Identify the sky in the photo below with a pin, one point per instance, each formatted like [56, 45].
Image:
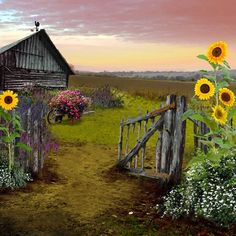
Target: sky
[126, 35]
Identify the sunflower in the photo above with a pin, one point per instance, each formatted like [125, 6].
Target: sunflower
[217, 52]
[8, 100]
[204, 89]
[226, 96]
[219, 114]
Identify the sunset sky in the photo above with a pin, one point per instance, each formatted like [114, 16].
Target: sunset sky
[112, 35]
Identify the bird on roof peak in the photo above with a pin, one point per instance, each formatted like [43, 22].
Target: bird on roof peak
[37, 24]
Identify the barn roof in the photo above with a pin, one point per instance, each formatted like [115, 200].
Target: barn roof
[57, 55]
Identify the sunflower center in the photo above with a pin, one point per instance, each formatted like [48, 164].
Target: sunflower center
[205, 88]
[8, 99]
[225, 97]
[216, 52]
[218, 114]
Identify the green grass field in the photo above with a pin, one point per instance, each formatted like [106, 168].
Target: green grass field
[102, 127]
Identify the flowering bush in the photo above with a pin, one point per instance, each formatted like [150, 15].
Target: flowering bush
[209, 192]
[14, 178]
[70, 102]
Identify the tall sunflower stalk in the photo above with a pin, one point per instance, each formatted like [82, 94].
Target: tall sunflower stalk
[213, 103]
[10, 125]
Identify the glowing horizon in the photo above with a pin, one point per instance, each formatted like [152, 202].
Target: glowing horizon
[121, 35]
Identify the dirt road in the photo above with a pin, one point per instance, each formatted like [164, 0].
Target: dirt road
[78, 194]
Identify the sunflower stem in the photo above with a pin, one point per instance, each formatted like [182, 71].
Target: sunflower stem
[9, 146]
[215, 74]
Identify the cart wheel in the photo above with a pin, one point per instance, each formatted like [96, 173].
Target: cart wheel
[53, 117]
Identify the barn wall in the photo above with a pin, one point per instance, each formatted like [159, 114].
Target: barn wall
[22, 79]
[8, 59]
[34, 53]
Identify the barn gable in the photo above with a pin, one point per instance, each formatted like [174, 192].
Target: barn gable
[33, 60]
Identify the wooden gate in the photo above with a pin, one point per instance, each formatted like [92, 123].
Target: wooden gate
[169, 145]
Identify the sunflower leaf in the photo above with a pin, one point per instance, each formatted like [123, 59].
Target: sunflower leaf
[205, 119]
[226, 64]
[207, 142]
[212, 79]
[6, 116]
[218, 141]
[23, 146]
[221, 84]
[214, 66]
[221, 67]
[203, 71]
[231, 113]
[4, 129]
[187, 114]
[202, 57]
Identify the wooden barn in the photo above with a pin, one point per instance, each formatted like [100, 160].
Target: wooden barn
[33, 61]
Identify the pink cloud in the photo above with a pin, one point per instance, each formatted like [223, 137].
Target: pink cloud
[183, 21]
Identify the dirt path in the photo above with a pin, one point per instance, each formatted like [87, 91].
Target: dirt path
[77, 195]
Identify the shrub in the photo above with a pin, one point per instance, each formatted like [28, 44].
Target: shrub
[105, 97]
[209, 192]
[14, 178]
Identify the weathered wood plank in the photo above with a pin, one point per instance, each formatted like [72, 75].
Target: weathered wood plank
[166, 135]
[120, 140]
[143, 157]
[137, 155]
[179, 140]
[127, 143]
[141, 142]
[35, 146]
[158, 152]
[151, 115]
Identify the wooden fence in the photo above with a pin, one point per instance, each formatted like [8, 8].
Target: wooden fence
[35, 135]
[169, 145]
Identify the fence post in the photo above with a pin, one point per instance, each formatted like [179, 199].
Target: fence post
[35, 163]
[29, 139]
[166, 136]
[178, 141]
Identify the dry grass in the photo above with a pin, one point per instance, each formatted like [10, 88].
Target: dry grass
[139, 87]
[148, 88]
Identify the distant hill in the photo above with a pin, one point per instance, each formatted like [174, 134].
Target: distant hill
[161, 75]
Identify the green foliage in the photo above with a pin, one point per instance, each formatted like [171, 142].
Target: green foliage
[14, 178]
[209, 192]
[221, 134]
[11, 130]
[102, 127]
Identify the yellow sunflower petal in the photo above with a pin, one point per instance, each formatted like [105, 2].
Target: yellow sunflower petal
[217, 52]
[204, 89]
[8, 100]
[227, 97]
[219, 114]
